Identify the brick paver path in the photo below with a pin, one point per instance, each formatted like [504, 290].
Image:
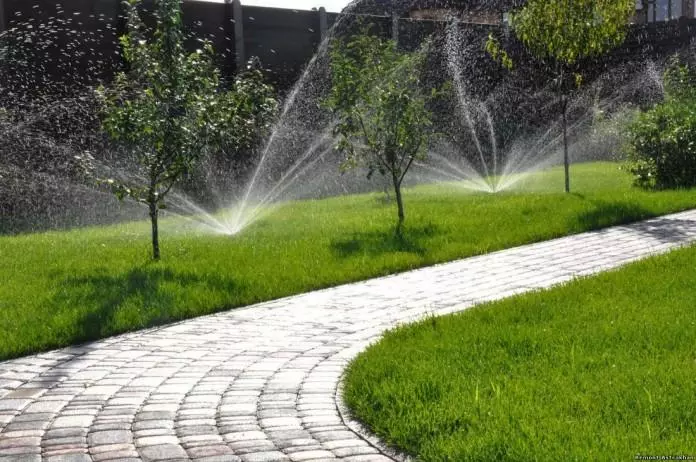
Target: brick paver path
[260, 383]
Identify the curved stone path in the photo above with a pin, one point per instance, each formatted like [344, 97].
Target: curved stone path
[260, 383]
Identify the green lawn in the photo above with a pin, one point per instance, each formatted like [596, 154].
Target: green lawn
[600, 369]
[61, 288]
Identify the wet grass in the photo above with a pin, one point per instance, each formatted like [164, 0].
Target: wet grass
[600, 369]
[62, 288]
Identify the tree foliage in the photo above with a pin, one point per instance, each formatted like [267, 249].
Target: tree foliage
[679, 81]
[382, 118]
[170, 109]
[567, 31]
[245, 111]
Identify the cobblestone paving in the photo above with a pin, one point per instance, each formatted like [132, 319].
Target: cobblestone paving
[260, 383]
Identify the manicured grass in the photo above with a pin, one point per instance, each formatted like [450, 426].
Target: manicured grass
[61, 288]
[600, 369]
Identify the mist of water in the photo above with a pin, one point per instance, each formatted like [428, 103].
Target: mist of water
[486, 150]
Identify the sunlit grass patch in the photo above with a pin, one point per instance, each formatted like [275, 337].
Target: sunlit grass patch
[599, 369]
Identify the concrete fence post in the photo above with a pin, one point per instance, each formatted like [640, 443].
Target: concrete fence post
[506, 25]
[323, 23]
[3, 25]
[688, 9]
[240, 52]
[395, 27]
[120, 21]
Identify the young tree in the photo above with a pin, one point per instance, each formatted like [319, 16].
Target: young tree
[380, 108]
[563, 32]
[169, 109]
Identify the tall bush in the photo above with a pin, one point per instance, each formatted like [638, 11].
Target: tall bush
[662, 140]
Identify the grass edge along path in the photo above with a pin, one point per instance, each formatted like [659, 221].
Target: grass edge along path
[66, 287]
[600, 368]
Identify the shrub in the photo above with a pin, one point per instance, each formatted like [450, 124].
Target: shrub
[662, 140]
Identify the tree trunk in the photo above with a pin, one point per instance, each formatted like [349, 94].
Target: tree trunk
[566, 160]
[154, 212]
[399, 203]
[563, 103]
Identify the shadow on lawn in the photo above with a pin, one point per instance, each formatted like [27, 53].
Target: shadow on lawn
[667, 230]
[607, 214]
[604, 214]
[374, 243]
[151, 293]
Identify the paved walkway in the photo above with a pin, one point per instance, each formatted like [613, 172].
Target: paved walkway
[260, 383]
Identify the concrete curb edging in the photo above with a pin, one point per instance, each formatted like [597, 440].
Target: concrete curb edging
[362, 431]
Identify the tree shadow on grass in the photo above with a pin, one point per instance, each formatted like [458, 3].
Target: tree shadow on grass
[667, 230]
[374, 243]
[151, 293]
[605, 214]
[641, 220]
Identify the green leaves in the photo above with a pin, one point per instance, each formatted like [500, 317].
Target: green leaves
[170, 108]
[570, 30]
[496, 52]
[160, 108]
[380, 108]
[679, 81]
[662, 149]
[245, 112]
